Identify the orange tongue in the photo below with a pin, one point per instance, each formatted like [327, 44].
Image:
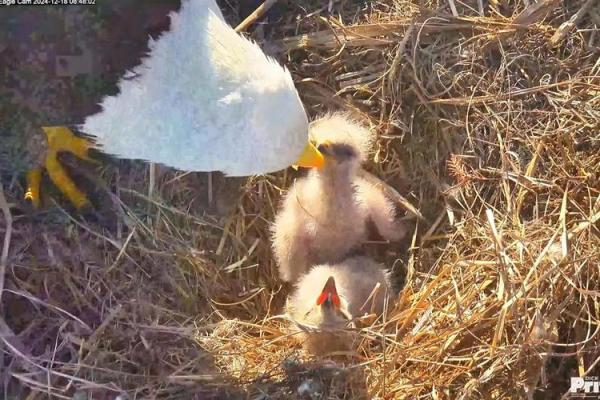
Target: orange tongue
[329, 293]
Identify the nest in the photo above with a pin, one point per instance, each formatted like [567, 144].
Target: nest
[487, 116]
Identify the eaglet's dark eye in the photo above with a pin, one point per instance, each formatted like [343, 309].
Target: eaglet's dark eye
[324, 148]
[344, 151]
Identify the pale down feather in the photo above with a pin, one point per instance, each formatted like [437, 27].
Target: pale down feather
[328, 297]
[324, 215]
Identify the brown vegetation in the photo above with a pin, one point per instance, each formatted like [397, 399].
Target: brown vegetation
[488, 120]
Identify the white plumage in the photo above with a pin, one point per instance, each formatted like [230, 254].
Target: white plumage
[205, 99]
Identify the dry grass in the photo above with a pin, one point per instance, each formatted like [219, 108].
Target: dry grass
[488, 120]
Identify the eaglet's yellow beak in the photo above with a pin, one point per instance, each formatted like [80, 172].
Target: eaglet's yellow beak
[311, 157]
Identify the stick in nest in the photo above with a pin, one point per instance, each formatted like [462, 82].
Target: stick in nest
[250, 19]
[7, 236]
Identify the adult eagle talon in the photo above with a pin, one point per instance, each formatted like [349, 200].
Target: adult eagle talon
[59, 138]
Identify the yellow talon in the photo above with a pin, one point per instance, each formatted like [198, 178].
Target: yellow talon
[61, 179]
[34, 178]
[61, 138]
